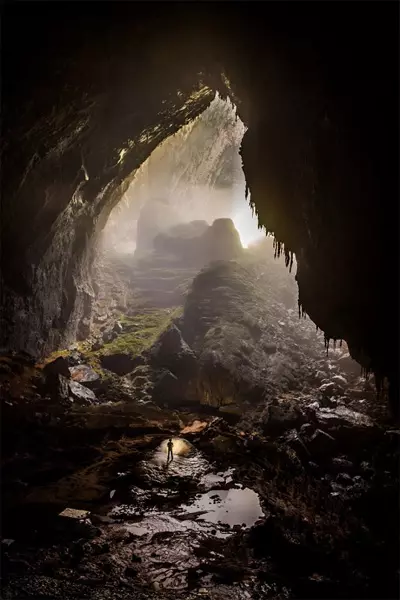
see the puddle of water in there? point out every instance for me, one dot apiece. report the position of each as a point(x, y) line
point(137, 530)
point(187, 462)
point(233, 507)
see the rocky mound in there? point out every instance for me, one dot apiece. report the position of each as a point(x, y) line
point(197, 244)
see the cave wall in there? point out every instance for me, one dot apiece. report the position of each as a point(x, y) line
point(317, 86)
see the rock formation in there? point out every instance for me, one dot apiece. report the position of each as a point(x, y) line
point(320, 154)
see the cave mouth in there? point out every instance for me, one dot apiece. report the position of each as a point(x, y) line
point(196, 174)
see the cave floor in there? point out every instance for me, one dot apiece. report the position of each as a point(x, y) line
point(291, 493)
point(237, 517)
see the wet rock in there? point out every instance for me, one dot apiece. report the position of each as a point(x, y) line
point(281, 417)
point(119, 363)
point(81, 394)
point(85, 375)
point(347, 426)
point(130, 572)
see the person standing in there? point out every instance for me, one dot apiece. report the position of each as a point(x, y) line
point(170, 446)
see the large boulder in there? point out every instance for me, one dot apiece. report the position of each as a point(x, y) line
point(69, 391)
point(171, 352)
point(85, 375)
point(347, 426)
point(197, 243)
point(222, 241)
point(282, 416)
point(59, 366)
point(120, 363)
point(80, 394)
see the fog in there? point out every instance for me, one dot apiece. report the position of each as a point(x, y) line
point(195, 175)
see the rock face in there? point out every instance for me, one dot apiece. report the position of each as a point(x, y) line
point(66, 170)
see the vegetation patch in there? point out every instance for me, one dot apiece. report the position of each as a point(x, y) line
point(140, 332)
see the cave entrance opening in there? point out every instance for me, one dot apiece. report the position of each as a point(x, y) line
point(187, 206)
point(194, 176)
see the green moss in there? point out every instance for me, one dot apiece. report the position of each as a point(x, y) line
point(56, 354)
point(142, 330)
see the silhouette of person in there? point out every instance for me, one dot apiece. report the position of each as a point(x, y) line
point(170, 445)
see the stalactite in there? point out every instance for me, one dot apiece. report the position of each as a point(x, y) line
point(299, 305)
point(334, 343)
point(326, 342)
point(340, 344)
point(291, 262)
point(287, 258)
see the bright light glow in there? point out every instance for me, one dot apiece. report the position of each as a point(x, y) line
point(247, 226)
point(180, 447)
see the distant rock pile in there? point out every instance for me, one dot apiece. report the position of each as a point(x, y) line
point(196, 243)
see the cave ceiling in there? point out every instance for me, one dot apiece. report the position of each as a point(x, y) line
point(88, 91)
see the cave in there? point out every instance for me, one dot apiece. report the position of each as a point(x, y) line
point(269, 358)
